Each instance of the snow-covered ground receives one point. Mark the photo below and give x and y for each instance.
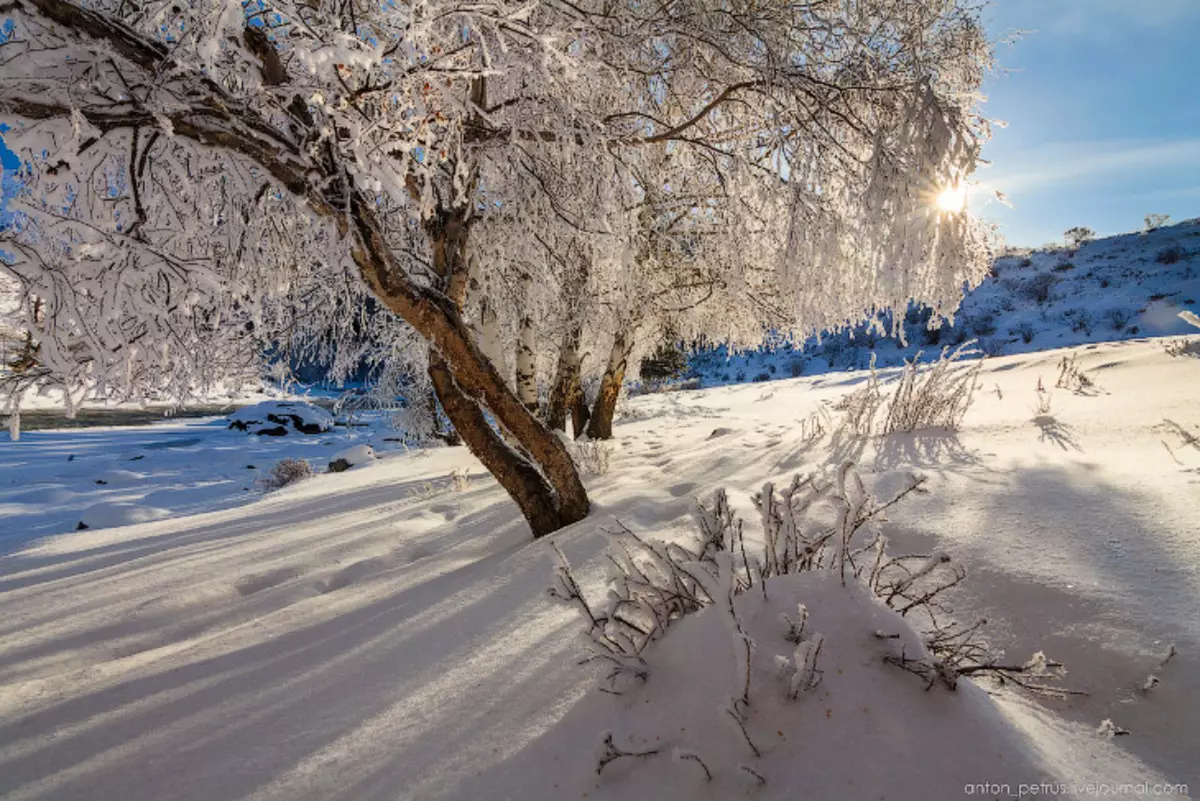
(50, 481)
(385, 632)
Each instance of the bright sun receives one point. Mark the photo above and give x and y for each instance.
(953, 198)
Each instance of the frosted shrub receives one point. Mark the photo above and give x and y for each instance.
(932, 395)
(285, 472)
(817, 522)
(860, 407)
(935, 395)
(1071, 377)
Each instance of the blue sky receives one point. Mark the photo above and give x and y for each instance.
(1102, 101)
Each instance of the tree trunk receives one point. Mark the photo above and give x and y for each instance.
(521, 479)
(567, 394)
(526, 365)
(558, 497)
(600, 425)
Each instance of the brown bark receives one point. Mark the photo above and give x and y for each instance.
(463, 377)
(522, 481)
(600, 424)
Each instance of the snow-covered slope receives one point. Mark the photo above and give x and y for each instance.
(385, 632)
(1119, 288)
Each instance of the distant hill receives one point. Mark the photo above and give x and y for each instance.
(1122, 287)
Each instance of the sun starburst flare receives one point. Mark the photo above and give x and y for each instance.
(952, 198)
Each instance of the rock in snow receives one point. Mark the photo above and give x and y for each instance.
(359, 454)
(278, 418)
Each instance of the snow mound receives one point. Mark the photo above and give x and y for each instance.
(351, 457)
(111, 515)
(278, 418)
(864, 728)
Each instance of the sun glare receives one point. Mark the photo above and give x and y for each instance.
(953, 198)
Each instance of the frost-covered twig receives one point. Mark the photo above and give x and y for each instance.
(734, 712)
(758, 777)
(682, 755)
(609, 752)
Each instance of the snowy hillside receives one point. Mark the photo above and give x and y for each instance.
(386, 633)
(1119, 288)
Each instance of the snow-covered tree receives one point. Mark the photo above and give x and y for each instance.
(204, 160)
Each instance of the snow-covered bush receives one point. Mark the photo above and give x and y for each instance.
(1072, 377)
(1038, 288)
(285, 472)
(931, 395)
(819, 522)
(935, 395)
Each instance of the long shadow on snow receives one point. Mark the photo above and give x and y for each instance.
(273, 519)
(1135, 593)
(221, 726)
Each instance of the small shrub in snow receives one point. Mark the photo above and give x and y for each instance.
(1039, 287)
(1026, 331)
(1071, 377)
(1064, 266)
(993, 347)
(860, 407)
(935, 395)
(1172, 254)
(1041, 406)
(817, 522)
(762, 377)
(460, 480)
(796, 366)
(1118, 318)
(1081, 321)
(285, 472)
(983, 326)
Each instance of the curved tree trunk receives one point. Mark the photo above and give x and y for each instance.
(548, 490)
(600, 425)
(521, 479)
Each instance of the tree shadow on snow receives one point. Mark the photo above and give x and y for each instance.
(1062, 562)
(1056, 432)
